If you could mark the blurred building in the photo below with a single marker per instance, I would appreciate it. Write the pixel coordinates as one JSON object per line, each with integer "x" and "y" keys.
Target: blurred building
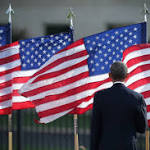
{"x": 37, "y": 17}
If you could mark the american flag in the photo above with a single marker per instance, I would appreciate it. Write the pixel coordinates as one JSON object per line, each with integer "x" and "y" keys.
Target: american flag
{"x": 137, "y": 59}
{"x": 19, "y": 61}
{"x": 67, "y": 82}
{"x": 4, "y": 34}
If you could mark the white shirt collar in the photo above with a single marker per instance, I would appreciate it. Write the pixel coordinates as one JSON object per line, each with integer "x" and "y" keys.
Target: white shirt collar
{"x": 118, "y": 82}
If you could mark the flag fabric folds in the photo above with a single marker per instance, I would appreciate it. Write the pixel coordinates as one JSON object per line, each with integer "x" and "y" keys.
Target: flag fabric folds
{"x": 4, "y": 34}
{"x": 19, "y": 61}
{"x": 67, "y": 82}
{"x": 137, "y": 59}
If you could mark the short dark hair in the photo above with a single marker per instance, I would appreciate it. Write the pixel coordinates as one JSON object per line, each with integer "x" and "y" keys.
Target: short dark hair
{"x": 118, "y": 70}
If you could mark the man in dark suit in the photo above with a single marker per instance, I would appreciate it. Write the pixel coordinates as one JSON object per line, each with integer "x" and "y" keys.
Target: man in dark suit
{"x": 118, "y": 113}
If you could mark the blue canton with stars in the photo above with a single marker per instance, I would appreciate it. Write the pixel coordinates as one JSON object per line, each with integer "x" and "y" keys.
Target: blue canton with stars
{"x": 36, "y": 51}
{"x": 4, "y": 34}
{"x": 107, "y": 47}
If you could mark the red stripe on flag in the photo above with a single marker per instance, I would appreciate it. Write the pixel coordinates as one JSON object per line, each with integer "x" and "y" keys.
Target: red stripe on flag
{"x": 60, "y": 72}
{"x": 57, "y": 84}
{"x": 148, "y": 108}
{"x": 21, "y": 79}
{"x": 9, "y": 59}
{"x": 5, "y": 84}
{"x": 81, "y": 110}
{"x": 5, "y": 111}
{"x": 61, "y": 60}
{"x": 149, "y": 122}
{"x": 2, "y": 48}
{"x": 137, "y": 60}
{"x": 135, "y": 48}
{"x": 62, "y": 108}
{"x": 5, "y": 97}
{"x": 15, "y": 93}
{"x": 139, "y": 83}
{"x": 79, "y": 89}
{"x": 146, "y": 94}
{"x": 139, "y": 69}
{"x": 8, "y": 71}
{"x": 22, "y": 105}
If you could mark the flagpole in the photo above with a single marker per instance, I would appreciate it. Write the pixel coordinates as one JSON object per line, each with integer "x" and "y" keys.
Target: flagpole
{"x": 76, "y": 140}
{"x": 10, "y": 134}
{"x": 146, "y": 12}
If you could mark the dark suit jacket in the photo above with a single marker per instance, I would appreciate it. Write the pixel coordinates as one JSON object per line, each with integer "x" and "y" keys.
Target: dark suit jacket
{"x": 118, "y": 113}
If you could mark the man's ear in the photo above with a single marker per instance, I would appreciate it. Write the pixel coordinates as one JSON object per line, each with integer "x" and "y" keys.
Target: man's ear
{"x": 110, "y": 76}
{"x": 126, "y": 76}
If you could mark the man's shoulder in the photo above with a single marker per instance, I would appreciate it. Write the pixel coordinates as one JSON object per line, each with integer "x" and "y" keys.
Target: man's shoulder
{"x": 102, "y": 92}
{"x": 110, "y": 90}
{"x": 132, "y": 92}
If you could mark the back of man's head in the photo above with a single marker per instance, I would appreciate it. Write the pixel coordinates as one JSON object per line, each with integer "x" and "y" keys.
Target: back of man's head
{"x": 118, "y": 71}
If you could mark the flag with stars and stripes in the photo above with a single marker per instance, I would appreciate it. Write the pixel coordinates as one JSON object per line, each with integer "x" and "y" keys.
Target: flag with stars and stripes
{"x": 137, "y": 59}
{"x": 19, "y": 61}
{"x": 4, "y": 34}
{"x": 67, "y": 82}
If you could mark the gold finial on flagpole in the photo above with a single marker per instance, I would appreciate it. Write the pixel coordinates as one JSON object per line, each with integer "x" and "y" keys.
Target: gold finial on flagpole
{"x": 71, "y": 16}
{"x": 146, "y": 12}
{"x": 9, "y": 11}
